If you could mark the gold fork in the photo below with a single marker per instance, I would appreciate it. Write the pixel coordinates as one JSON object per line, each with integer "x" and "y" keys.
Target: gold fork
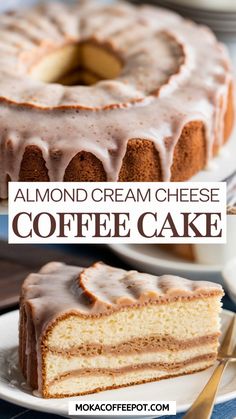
{"x": 203, "y": 405}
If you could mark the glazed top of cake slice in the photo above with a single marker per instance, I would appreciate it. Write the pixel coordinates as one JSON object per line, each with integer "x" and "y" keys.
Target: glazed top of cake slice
{"x": 99, "y": 290}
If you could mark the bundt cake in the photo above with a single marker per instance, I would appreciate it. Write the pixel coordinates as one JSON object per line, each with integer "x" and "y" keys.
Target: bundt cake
{"x": 97, "y": 92}
{"x": 92, "y": 329}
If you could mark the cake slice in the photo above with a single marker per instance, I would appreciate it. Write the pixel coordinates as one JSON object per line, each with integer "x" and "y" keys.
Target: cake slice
{"x": 88, "y": 330}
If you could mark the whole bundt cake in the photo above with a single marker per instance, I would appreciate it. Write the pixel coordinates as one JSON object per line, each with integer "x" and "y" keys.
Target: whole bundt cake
{"x": 96, "y": 92}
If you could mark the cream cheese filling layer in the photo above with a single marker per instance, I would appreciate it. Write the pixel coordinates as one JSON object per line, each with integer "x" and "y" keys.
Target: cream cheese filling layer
{"x": 76, "y": 384}
{"x": 57, "y": 365}
{"x": 138, "y": 345}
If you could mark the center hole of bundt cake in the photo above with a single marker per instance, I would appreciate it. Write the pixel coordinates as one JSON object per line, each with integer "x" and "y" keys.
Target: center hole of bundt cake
{"x": 83, "y": 63}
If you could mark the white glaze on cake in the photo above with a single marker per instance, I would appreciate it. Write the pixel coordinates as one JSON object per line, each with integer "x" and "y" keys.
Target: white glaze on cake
{"x": 174, "y": 72}
{"x": 112, "y": 287}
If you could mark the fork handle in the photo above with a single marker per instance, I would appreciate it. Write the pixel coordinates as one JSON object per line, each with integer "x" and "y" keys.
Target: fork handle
{"x": 203, "y": 405}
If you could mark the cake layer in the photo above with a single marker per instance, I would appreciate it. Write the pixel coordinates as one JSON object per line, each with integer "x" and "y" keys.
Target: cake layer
{"x": 192, "y": 306}
{"x": 188, "y": 319}
{"x": 90, "y": 383}
{"x": 56, "y": 365}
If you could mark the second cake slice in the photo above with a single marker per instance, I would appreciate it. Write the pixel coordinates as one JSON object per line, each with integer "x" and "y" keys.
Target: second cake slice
{"x": 102, "y": 327}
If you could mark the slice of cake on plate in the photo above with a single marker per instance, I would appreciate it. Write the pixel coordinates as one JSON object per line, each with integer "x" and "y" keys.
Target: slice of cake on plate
{"x": 84, "y": 330}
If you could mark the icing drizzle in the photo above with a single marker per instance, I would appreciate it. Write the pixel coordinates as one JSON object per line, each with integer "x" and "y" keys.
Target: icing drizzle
{"x": 174, "y": 72}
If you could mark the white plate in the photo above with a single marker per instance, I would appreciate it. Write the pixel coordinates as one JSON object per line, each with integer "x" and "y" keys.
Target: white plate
{"x": 13, "y": 389}
{"x": 158, "y": 261}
